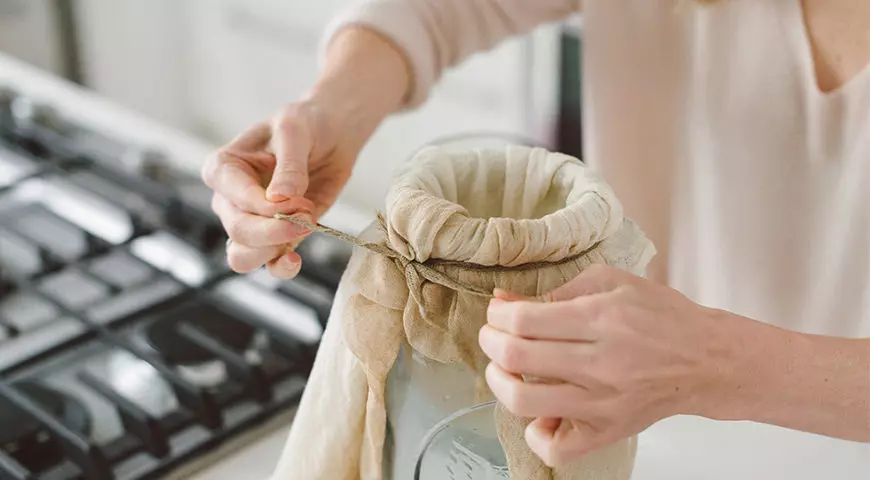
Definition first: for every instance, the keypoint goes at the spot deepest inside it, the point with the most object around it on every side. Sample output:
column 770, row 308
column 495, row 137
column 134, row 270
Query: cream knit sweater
column 708, row 123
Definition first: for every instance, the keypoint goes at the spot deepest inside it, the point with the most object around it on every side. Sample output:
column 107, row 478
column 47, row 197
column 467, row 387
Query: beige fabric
column 492, row 208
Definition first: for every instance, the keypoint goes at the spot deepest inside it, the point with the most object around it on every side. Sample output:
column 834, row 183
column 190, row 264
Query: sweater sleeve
column 438, row 34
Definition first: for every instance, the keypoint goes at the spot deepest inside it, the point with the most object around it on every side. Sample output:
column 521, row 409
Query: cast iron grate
column 152, row 208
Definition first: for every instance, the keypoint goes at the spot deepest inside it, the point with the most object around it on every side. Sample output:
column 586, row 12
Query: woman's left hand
column 617, row 353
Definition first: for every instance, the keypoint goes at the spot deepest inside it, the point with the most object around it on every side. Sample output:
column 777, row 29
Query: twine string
column 413, row 269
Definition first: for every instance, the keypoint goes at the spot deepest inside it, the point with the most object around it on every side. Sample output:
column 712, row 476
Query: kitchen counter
column 680, row 448
column 693, row 448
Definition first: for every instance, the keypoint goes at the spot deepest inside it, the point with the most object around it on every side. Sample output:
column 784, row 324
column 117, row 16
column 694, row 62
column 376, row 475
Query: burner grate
column 55, row 166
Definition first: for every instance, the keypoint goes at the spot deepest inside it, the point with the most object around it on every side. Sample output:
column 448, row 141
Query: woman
column 736, row 132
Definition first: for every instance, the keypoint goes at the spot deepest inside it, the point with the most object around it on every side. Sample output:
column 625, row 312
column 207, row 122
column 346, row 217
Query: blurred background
column 214, row 67
column 128, row 348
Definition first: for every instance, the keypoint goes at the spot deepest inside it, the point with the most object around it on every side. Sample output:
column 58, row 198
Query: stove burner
column 26, row 440
column 140, row 389
column 163, row 335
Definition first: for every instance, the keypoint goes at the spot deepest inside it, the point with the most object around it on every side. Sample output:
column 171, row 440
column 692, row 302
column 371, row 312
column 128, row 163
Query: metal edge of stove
column 270, row 425
column 185, row 152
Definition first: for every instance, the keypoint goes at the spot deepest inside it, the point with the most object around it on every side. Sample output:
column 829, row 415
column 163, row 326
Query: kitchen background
column 128, row 349
column 214, row 67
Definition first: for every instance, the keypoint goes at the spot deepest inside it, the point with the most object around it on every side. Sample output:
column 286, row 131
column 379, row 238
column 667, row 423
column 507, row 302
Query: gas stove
column 128, row 349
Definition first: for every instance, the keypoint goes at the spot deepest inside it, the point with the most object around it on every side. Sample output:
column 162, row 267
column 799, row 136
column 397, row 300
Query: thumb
column 291, row 141
column 595, row 279
column 558, row 442
column 509, row 296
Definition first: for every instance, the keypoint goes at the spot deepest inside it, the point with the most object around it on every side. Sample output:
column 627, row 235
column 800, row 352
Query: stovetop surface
column 127, row 347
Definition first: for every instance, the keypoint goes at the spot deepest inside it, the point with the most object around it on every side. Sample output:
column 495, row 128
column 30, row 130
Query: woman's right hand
column 296, row 163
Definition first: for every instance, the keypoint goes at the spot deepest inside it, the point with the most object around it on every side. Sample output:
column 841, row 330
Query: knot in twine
column 415, row 270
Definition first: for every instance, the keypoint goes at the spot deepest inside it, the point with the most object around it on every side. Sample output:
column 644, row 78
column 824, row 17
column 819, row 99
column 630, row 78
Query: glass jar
column 438, row 426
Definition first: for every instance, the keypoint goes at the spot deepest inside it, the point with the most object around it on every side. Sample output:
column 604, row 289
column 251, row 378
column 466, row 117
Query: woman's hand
column 296, row 163
column 616, row 354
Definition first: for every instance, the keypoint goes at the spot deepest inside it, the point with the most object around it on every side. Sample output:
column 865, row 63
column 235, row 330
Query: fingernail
column 291, row 262
column 299, row 229
column 276, row 197
column 290, row 267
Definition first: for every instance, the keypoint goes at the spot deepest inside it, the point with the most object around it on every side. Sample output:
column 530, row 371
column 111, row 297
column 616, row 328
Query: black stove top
column 127, row 347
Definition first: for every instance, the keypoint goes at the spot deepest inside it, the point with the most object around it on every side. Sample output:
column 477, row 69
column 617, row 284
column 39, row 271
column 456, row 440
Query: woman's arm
column 626, row 352
column 803, row 382
column 437, row 34
column 365, row 78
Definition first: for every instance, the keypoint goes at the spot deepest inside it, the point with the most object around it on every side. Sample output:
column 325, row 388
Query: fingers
column 595, row 279
column 236, row 180
column 255, row 230
column 568, row 320
column 559, row 442
column 233, row 171
column 254, row 139
column 279, row 262
column 286, row 266
column 258, row 241
column 528, row 399
column 536, row 358
column 237, row 172
column 540, row 436
column 244, row 259
column 292, row 142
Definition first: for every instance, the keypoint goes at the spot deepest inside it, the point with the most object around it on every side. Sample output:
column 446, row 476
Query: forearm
column 803, row 382
column 365, row 78
column 438, row 34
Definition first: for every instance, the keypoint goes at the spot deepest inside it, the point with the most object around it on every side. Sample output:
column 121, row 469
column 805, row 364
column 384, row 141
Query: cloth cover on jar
column 496, row 211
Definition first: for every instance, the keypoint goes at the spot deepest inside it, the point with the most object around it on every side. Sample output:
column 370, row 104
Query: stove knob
column 28, row 113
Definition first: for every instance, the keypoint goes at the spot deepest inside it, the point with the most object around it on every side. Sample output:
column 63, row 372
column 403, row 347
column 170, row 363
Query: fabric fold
column 487, row 209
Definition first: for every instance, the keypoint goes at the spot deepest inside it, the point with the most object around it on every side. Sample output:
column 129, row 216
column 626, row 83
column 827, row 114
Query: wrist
column 761, row 373
column 365, row 79
column 743, row 359
column 345, row 107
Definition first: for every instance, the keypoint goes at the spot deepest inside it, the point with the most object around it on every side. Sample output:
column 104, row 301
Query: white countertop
column 679, row 448
column 693, row 448
column 682, row 448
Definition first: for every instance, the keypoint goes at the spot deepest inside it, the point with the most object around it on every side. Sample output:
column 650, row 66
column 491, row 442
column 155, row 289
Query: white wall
column 28, row 32
column 135, row 52
column 214, row 67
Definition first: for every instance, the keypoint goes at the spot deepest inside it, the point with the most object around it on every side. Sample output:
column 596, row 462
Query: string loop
column 427, row 270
